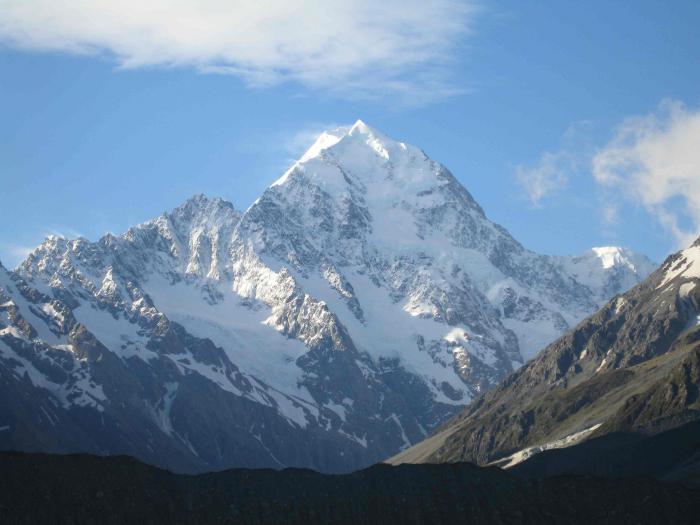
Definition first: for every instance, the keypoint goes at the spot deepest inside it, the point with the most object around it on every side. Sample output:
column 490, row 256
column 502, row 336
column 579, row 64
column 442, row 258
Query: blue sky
column 573, row 124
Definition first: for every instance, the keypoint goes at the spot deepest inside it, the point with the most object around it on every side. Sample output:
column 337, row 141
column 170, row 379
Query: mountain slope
column 361, row 301
column 633, row 367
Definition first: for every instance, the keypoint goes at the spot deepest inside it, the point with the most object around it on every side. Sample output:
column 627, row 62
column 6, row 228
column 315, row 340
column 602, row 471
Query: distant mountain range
column 627, row 373
column 360, row 302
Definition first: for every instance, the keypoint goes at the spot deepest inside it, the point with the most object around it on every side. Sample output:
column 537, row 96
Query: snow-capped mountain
column 607, row 270
column 357, row 304
column 630, row 369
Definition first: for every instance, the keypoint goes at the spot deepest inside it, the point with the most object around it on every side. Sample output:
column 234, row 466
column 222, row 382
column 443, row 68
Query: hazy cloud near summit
column 655, row 160
column 361, row 48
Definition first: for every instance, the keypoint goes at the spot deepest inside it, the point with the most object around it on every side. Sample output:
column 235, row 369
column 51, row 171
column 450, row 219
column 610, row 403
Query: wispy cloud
column 62, row 231
column 361, row 48
column 548, row 176
column 11, row 254
column 553, row 169
column 655, row 160
column 15, row 254
column 295, row 143
column 285, row 145
column 610, row 213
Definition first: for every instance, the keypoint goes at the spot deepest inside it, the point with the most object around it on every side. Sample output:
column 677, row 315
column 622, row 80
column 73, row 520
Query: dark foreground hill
column 39, row 488
column 673, row 455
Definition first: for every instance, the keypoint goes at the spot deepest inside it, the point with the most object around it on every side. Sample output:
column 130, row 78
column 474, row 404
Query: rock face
column 360, row 302
column 631, row 368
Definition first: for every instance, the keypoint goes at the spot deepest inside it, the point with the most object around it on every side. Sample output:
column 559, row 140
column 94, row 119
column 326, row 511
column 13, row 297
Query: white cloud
column 547, row 177
column 551, row 173
column 655, row 160
column 283, row 145
column 610, row 213
column 13, row 254
column 296, row 142
column 62, row 231
column 359, row 48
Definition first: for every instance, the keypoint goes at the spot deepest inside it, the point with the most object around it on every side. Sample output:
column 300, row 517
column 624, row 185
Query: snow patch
column 602, row 365
column 528, row 452
column 687, row 265
column 619, row 304
column 360, row 440
column 406, row 442
column 686, row 288
column 338, row 409
column 163, row 408
column 118, row 335
column 80, row 390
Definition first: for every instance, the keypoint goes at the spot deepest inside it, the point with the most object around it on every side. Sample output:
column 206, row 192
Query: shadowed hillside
column 38, row 488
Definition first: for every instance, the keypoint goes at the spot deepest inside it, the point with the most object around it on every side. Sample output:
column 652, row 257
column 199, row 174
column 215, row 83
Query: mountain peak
column 202, row 209
column 197, row 199
column 331, row 137
column 324, row 141
column 200, row 200
column 359, row 127
column 611, row 256
column 53, row 242
column 351, row 145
